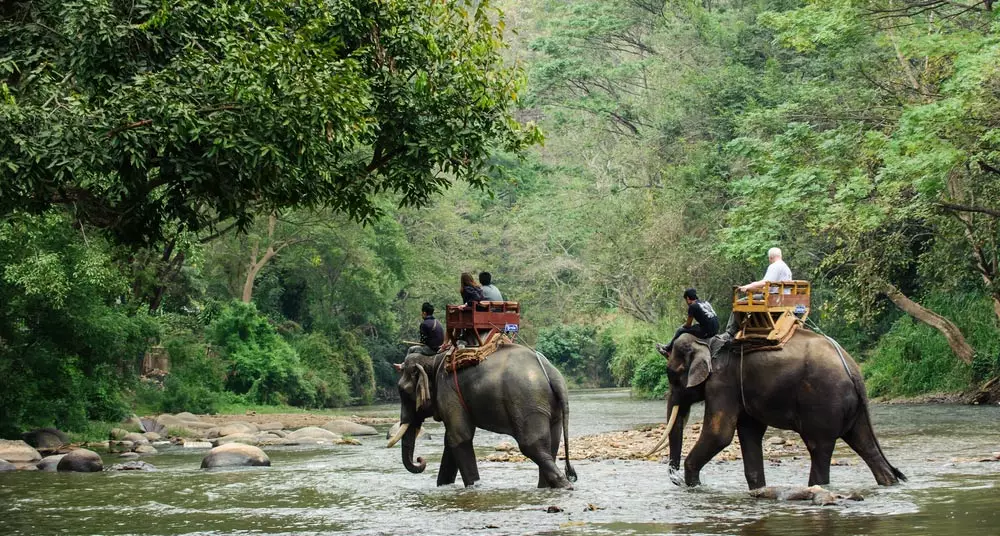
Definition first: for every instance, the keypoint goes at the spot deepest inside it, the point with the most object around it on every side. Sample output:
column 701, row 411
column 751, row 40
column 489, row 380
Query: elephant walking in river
column 810, row 386
column 514, row 391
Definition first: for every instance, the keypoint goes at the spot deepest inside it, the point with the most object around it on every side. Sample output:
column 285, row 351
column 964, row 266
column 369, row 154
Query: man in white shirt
column 776, row 271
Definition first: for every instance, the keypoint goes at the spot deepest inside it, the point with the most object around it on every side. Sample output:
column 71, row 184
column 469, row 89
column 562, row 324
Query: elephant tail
column 570, row 472
column 562, row 395
column 864, row 432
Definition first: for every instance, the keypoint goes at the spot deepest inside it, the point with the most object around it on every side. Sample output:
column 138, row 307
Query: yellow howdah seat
column 771, row 316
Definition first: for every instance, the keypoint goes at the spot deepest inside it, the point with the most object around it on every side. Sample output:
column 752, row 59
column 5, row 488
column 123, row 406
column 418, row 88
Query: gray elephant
column 514, row 391
column 810, row 386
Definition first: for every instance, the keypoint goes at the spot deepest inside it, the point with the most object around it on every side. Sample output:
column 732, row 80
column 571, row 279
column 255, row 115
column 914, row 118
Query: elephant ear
column 700, row 366
column 423, row 388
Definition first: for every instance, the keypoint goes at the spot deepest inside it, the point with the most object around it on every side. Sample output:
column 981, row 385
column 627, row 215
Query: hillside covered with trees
column 269, row 190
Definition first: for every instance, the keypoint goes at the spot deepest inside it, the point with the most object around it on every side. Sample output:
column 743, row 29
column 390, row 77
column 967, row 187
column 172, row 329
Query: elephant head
column 416, row 397
column 688, row 368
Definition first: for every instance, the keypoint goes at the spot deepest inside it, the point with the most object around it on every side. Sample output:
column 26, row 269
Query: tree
column 144, row 117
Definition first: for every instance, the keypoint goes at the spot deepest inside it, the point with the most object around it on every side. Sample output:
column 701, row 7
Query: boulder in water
column 232, row 428
column 17, row 451
column 187, row 416
column 49, row 463
column 135, row 465
column 344, row 427
column 6, row 467
column 46, row 438
column 270, row 426
column 235, row 455
column 145, row 449
column 81, row 461
column 246, row 439
column 313, row 434
column 119, row 433
column 137, row 439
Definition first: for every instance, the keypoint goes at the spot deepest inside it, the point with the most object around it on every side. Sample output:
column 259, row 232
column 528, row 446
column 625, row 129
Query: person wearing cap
column 702, row 322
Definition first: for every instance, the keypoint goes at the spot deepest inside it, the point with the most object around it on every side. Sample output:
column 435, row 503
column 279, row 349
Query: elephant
column 514, row 391
column 810, row 386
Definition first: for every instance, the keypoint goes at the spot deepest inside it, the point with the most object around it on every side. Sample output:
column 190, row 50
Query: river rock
column 188, row 417
column 152, row 436
column 135, row 465
column 270, row 426
column 137, row 439
column 246, row 439
column 46, row 438
column 775, row 441
column 119, row 433
column 129, row 455
column 17, row 451
column 197, row 444
column 344, row 427
column 6, row 467
column 81, row 461
column 121, row 446
column 279, row 433
column 132, row 422
column 235, row 455
column 49, row 463
column 232, row 428
column 145, row 449
column 315, row 434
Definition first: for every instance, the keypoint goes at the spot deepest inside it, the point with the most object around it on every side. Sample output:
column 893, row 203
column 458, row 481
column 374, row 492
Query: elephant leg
column 465, row 458
column 536, row 443
column 449, row 468
column 555, row 431
column 751, row 434
column 820, row 452
column 862, row 440
column 716, row 434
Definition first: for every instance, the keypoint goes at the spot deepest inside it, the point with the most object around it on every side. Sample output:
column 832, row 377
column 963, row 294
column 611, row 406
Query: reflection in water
column 365, row 490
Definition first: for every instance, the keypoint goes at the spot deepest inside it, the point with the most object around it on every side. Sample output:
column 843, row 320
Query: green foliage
column 68, row 352
column 191, row 113
column 325, row 370
column 579, row 352
column 195, row 382
column 650, row 378
column 258, row 362
column 911, row 358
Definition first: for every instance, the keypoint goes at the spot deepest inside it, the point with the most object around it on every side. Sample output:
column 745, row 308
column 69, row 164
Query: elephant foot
column 676, row 477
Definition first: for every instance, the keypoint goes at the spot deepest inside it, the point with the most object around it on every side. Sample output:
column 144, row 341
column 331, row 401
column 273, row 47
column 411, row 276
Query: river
column 365, row 489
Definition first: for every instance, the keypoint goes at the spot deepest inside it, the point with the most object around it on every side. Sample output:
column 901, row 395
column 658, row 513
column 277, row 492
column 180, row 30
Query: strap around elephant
column 458, row 390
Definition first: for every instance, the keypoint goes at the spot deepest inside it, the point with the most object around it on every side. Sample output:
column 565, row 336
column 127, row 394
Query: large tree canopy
column 142, row 116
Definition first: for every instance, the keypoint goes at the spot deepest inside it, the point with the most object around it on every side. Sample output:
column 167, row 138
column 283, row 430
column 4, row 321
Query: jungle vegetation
column 269, row 190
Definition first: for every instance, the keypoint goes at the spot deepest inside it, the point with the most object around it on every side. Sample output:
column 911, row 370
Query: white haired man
column 776, row 271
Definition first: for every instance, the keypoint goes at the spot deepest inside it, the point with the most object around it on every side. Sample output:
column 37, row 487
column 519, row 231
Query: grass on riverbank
column 914, row 359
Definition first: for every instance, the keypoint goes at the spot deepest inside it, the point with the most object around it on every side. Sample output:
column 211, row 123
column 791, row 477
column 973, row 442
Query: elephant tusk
column 399, row 435
column 666, row 435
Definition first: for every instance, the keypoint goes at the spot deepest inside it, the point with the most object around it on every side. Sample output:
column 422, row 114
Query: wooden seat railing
column 771, row 313
column 481, row 320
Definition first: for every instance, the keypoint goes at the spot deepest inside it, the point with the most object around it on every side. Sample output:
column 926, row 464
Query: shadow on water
column 365, row 490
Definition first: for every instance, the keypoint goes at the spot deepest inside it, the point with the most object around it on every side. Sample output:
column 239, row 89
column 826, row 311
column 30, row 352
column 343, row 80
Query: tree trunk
column 956, row 340
column 253, row 270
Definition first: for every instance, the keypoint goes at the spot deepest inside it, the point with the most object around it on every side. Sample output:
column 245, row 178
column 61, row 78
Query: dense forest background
column 279, row 245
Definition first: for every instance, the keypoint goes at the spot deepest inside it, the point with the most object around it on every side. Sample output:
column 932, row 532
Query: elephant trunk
column 409, row 440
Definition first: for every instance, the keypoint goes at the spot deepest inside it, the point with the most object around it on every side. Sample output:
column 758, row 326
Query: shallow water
column 366, row 490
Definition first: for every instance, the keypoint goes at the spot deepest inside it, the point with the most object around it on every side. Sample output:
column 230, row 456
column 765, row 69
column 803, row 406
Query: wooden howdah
column 772, row 314
column 475, row 332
